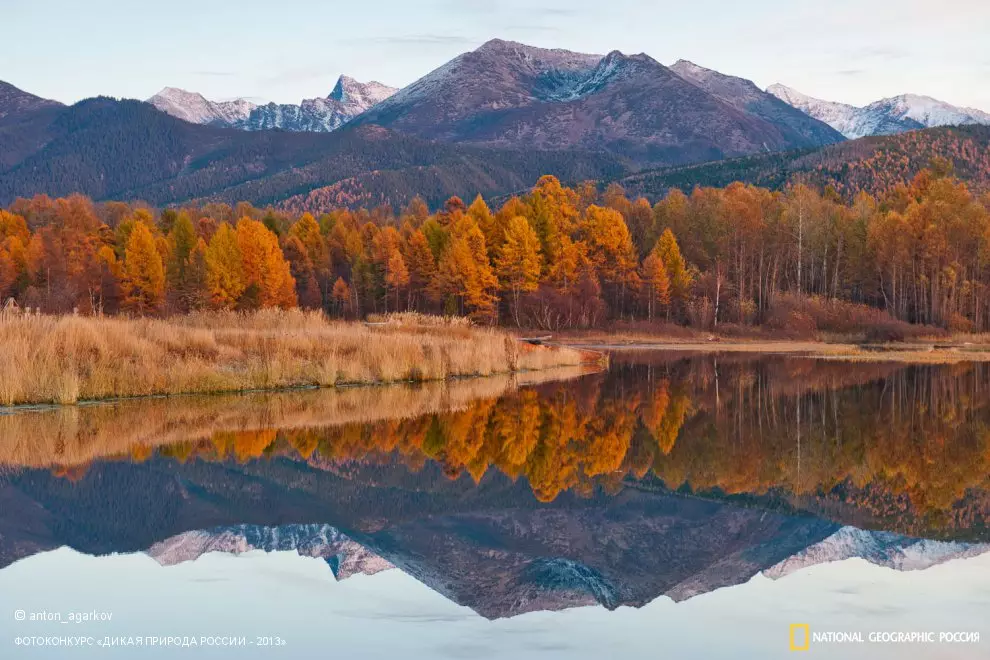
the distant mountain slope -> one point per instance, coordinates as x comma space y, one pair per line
889, 116
348, 99
194, 108
796, 125
23, 121
512, 95
110, 149
900, 553
873, 164
15, 101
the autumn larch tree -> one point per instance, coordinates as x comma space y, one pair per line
657, 285
519, 262
144, 272
264, 265
678, 278
224, 270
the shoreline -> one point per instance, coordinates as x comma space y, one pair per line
521, 377
913, 353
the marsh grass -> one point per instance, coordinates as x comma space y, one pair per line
67, 359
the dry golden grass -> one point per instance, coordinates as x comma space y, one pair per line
67, 436
66, 359
934, 353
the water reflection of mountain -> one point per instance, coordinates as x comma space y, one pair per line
492, 547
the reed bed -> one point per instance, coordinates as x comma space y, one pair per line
67, 359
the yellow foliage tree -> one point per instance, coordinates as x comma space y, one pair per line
264, 265
224, 271
144, 272
519, 262
654, 275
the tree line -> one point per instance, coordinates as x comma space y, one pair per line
555, 257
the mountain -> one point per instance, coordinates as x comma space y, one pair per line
872, 164
797, 126
192, 107
16, 102
23, 121
512, 95
548, 582
109, 149
345, 556
900, 553
348, 99
490, 546
889, 116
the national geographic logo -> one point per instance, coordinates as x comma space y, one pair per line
800, 637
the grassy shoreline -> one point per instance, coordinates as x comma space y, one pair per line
940, 351
71, 359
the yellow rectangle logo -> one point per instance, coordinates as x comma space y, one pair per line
800, 631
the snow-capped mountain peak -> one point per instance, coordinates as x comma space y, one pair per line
895, 551
348, 99
925, 110
345, 556
357, 96
194, 108
884, 117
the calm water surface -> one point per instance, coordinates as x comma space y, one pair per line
672, 506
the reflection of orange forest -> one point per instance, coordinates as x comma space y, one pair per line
886, 439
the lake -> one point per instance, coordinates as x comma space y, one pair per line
675, 504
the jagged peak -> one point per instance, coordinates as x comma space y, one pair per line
369, 93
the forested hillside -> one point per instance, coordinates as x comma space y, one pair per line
108, 149
875, 165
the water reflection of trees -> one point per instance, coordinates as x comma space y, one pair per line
862, 443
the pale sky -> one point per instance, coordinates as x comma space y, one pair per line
854, 51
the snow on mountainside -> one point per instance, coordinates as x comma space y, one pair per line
511, 95
884, 117
344, 556
498, 75
927, 111
348, 99
194, 108
894, 551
